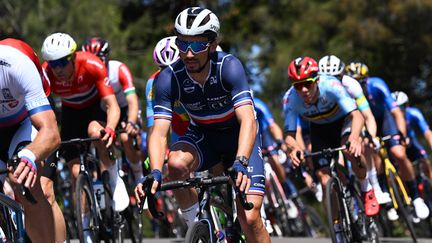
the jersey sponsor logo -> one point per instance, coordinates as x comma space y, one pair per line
188, 86
195, 106
7, 94
4, 63
213, 80
219, 103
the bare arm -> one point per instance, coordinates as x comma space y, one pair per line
113, 111
370, 122
132, 101
294, 148
357, 122
245, 116
400, 120
47, 139
428, 136
157, 143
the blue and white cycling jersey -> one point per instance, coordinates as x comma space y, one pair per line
211, 105
263, 114
415, 119
333, 103
379, 97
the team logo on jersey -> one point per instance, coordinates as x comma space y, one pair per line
7, 94
4, 63
212, 80
188, 86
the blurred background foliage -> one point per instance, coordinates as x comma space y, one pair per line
393, 37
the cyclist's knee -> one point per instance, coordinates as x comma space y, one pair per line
179, 165
253, 218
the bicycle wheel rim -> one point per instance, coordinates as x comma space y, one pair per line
281, 211
199, 232
85, 199
401, 206
334, 187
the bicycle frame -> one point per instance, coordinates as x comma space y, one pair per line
17, 208
389, 167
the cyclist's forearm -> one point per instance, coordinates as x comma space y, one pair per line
370, 122
428, 136
132, 101
400, 121
248, 130
156, 149
113, 114
276, 131
291, 142
357, 123
47, 139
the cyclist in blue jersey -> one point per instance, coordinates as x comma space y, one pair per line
415, 120
332, 65
271, 137
390, 121
213, 88
334, 120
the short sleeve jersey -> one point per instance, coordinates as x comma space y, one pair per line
415, 120
210, 106
263, 114
21, 89
90, 82
121, 81
333, 104
379, 96
356, 92
28, 51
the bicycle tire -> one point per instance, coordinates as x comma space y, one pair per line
280, 211
134, 224
333, 184
198, 232
402, 210
427, 192
315, 227
83, 189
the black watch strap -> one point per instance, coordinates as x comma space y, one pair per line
243, 160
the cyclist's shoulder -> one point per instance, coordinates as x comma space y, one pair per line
414, 111
88, 62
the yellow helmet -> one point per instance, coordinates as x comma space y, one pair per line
357, 70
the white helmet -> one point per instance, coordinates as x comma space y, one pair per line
400, 97
331, 65
197, 21
166, 52
218, 48
58, 45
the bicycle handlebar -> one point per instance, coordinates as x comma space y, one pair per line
192, 182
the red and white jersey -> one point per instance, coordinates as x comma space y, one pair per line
90, 82
28, 51
21, 89
121, 81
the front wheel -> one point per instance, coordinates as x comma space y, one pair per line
198, 232
86, 206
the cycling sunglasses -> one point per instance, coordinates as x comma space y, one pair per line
62, 62
195, 46
307, 83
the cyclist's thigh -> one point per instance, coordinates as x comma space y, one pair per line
415, 150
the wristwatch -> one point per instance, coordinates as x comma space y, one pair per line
243, 160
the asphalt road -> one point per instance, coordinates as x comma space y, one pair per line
289, 240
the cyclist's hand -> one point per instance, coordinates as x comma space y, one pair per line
26, 171
296, 160
355, 146
241, 176
377, 143
108, 136
131, 128
142, 185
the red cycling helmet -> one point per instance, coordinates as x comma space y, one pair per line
97, 46
302, 68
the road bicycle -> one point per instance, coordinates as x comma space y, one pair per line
217, 212
93, 198
398, 193
344, 203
